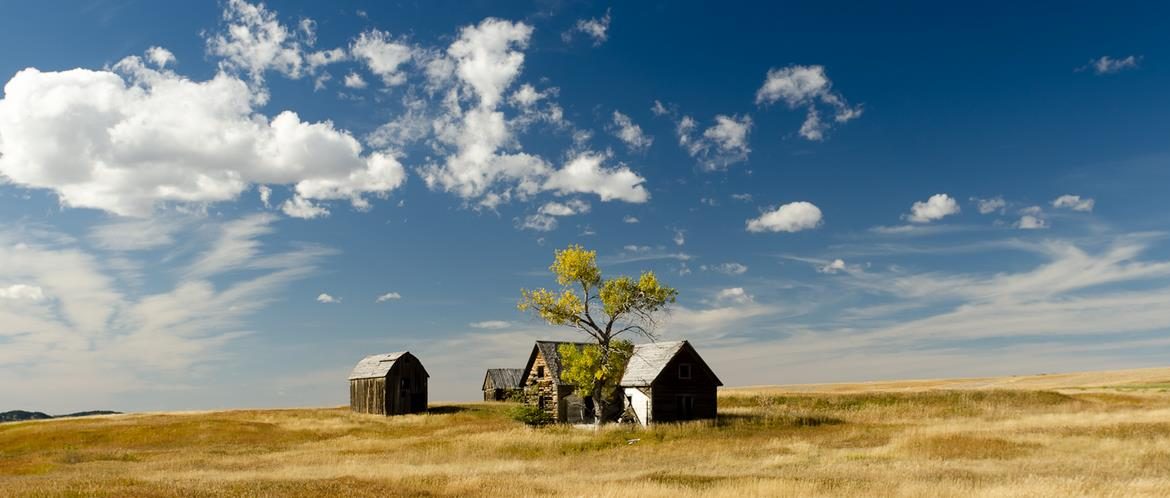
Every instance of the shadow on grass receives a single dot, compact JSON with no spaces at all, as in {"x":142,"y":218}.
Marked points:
{"x":446,"y":409}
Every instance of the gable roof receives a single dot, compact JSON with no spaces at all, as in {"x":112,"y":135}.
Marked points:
{"x":552,"y":358}
{"x":377,"y":365}
{"x":648,"y":361}
{"x":504,"y":378}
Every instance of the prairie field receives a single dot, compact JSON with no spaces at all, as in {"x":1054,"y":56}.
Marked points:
{"x":1090,"y":434}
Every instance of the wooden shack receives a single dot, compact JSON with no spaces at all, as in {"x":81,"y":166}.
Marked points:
{"x":543,"y":387}
{"x":669,"y":382}
{"x":502,"y":384}
{"x":388,"y":384}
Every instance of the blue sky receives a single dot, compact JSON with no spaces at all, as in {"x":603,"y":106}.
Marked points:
{"x":228,"y":204}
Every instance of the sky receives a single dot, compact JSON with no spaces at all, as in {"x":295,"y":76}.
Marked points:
{"x":228,"y":204}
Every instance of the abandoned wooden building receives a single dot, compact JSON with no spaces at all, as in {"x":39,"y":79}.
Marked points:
{"x":502,"y":384}
{"x":669,"y":382}
{"x":388,"y":384}
{"x":544,"y":388}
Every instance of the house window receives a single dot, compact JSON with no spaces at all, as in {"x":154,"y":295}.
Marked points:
{"x":686,"y":407}
{"x":540,"y":372}
{"x":684,"y":371}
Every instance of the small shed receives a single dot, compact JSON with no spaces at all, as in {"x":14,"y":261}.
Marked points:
{"x":499,"y":384}
{"x":388,"y":384}
{"x":669,"y":382}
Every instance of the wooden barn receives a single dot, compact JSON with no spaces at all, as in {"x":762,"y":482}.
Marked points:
{"x":388,"y":384}
{"x":669,"y":382}
{"x":543,"y":386}
{"x":501,"y":384}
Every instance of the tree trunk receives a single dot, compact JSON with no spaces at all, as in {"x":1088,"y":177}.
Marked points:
{"x":600,"y":400}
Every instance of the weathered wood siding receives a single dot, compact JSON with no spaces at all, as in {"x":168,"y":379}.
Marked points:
{"x":406,"y":387}
{"x":368,"y":395}
{"x":542,"y":388}
{"x":669,"y":392}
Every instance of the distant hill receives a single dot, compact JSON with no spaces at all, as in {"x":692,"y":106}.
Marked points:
{"x":19,"y":415}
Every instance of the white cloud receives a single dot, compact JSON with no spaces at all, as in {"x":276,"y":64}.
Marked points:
{"x":742,"y":197}
{"x":1074,"y":202}
{"x":299,"y":207}
{"x":731,"y":268}
{"x":584,"y":173}
{"x":834,"y":266}
{"x":136,"y":235}
{"x":127,"y":140}
{"x":389,"y":296}
{"x":806,"y":86}
{"x":160,"y":57}
{"x":658,"y":109}
{"x":570,"y":208}
{"x":791,"y":217}
{"x":255,"y":41}
{"x":596,"y":28}
{"x":22,"y":292}
{"x":538,"y":222}
{"x":327,"y":299}
{"x":491,"y":324}
{"x":630,"y":133}
{"x":382,"y":55}
{"x":936,"y":207}
{"x":988,"y":206}
{"x":354,"y":80}
{"x":629,"y":219}
{"x":733,"y":295}
{"x":1031,"y":222}
{"x":1109,"y":65}
{"x":680,"y":237}
{"x":723,"y":144}
{"x":265,"y":195}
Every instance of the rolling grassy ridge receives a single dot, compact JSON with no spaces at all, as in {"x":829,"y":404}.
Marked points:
{"x":1106,"y":441}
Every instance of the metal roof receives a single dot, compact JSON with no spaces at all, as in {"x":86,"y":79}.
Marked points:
{"x":648,"y":361}
{"x":377,"y":365}
{"x":504,"y":378}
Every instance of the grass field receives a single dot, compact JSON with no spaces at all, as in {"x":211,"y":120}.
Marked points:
{"x":1100,"y":434}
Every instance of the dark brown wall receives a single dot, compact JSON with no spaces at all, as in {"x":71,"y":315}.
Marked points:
{"x":406,"y":387}
{"x":669,"y":387}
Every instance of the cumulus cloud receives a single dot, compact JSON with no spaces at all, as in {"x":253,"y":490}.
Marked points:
{"x":1109,"y":65}
{"x":355,"y":81}
{"x":680,"y":237}
{"x":160,"y":57}
{"x":570,"y":208}
{"x":389,"y":296}
{"x":128,"y":139}
{"x":629,"y":219}
{"x":791,"y":217}
{"x":299,"y":207}
{"x":585,"y":174}
{"x":382,"y":55}
{"x":934,"y":208}
{"x":538,"y":222}
{"x":806,"y":86}
{"x":327,"y":299}
{"x":596,"y":28}
{"x":731,"y":268}
{"x":834,"y":266}
{"x":733,"y":295}
{"x":1074,"y":202}
{"x":1031,"y":222}
{"x":265,"y":195}
{"x":255,"y":41}
{"x":630,"y":133}
{"x":988,"y":206}
{"x":719,"y":146}
{"x":490,"y":324}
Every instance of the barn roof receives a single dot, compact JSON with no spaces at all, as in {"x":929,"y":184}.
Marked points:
{"x":377,"y":365}
{"x":648,"y":361}
{"x":552,"y":357}
{"x":504,"y":378}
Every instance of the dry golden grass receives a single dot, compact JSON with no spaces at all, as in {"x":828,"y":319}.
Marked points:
{"x":1073,"y":442}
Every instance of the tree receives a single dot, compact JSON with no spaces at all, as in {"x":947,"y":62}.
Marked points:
{"x":601,"y":308}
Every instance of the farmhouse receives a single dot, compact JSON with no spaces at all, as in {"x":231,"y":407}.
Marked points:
{"x":544,"y":388}
{"x":500,"y":384}
{"x":388,"y":384}
{"x":669,"y":382}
